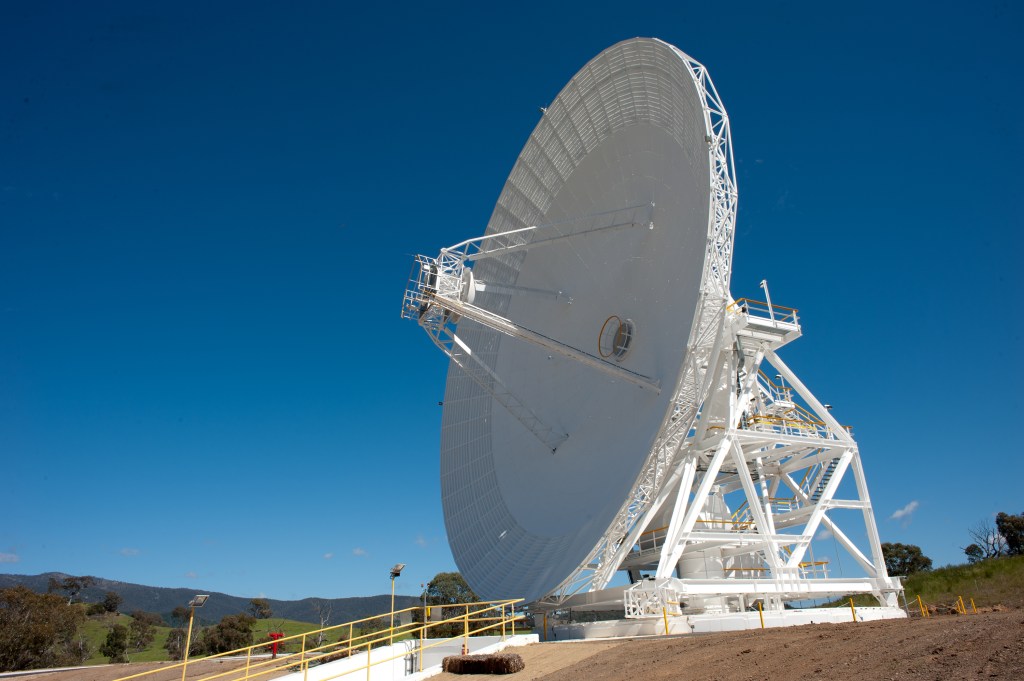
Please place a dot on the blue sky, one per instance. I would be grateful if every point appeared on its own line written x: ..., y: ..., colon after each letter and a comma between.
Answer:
x: 208, y: 212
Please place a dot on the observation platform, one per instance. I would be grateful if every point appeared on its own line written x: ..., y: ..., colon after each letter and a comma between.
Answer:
x: 763, y: 321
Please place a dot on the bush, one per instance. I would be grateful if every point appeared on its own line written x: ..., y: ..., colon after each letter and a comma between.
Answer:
x: 116, y: 645
x: 905, y: 559
x: 1012, y: 529
x: 175, y: 644
x: 150, y: 618
x: 231, y: 633
x: 38, y: 630
x: 140, y: 634
x: 111, y: 601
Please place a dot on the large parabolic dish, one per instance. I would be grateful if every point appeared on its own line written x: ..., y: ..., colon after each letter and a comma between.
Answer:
x: 626, y: 180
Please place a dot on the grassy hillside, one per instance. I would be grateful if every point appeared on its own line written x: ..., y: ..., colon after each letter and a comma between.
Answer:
x: 95, y: 631
x: 997, y: 581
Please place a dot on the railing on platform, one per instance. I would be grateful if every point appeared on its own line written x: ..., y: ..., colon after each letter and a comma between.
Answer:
x: 759, y: 308
x: 469, y: 619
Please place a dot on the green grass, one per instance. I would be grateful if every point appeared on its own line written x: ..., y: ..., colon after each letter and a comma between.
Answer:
x: 997, y: 581
x: 95, y: 631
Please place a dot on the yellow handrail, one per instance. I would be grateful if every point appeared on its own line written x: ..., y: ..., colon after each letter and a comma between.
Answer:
x: 496, y: 619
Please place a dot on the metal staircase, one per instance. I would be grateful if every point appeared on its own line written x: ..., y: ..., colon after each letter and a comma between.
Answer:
x: 823, y: 481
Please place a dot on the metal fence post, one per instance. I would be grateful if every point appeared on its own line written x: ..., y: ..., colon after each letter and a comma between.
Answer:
x: 302, y: 660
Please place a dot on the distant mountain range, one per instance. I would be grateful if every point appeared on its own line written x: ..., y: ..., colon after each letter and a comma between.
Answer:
x: 163, y: 600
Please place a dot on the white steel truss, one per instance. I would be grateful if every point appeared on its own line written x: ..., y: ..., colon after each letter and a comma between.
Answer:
x: 780, y: 465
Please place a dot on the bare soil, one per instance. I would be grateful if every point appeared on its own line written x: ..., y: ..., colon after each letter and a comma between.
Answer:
x: 987, y: 645
x: 982, y: 646
x: 110, y: 672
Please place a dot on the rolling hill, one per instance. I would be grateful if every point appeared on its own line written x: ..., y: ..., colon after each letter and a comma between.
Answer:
x: 163, y: 600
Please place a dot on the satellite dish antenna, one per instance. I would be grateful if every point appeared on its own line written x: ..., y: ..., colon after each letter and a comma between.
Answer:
x: 598, y: 362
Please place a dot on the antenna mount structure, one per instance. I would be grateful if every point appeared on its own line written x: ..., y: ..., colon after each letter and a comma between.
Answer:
x: 608, y: 409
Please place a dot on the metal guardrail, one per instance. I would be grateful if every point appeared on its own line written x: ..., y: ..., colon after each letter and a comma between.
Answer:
x: 474, y: 618
x: 762, y: 309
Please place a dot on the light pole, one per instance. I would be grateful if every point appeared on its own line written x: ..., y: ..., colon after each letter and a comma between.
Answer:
x: 196, y: 602
x: 395, y: 572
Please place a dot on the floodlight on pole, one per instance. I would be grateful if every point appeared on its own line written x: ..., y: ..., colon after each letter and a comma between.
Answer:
x: 395, y: 572
x: 197, y: 602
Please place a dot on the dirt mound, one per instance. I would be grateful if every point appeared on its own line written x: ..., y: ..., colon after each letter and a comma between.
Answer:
x: 495, y: 663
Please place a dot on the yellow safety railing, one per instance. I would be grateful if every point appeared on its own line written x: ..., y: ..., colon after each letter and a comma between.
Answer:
x: 470, y: 619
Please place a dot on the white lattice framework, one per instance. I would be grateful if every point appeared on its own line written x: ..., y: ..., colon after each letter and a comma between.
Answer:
x: 752, y: 441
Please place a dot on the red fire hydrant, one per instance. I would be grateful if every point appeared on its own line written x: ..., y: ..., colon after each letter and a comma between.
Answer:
x: 274, y: 635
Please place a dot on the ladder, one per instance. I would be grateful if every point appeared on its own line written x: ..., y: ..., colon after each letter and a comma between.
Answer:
x: 825, y: 477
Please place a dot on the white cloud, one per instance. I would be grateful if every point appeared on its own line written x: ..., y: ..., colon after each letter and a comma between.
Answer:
x: 129, y: 552
x: 9, y: 558
x: 191, y: 575
x: 420, y: 541
x: 823, y: 534
x: 906, y: 513
x: 328, y: 555
x: 357, y: 551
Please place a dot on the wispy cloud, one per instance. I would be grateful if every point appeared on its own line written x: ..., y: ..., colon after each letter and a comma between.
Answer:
x: 129, y: 552
x: 420, y: 541
x: 823, y: 534
x: 328, y: 555
x: 905, y: 514
x: 358, y: 551
x: 191, y: 575
x: 9, y: 558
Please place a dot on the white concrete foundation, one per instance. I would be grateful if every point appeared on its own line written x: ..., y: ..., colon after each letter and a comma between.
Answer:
x: 700, y: 624
x: 401, y: 660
